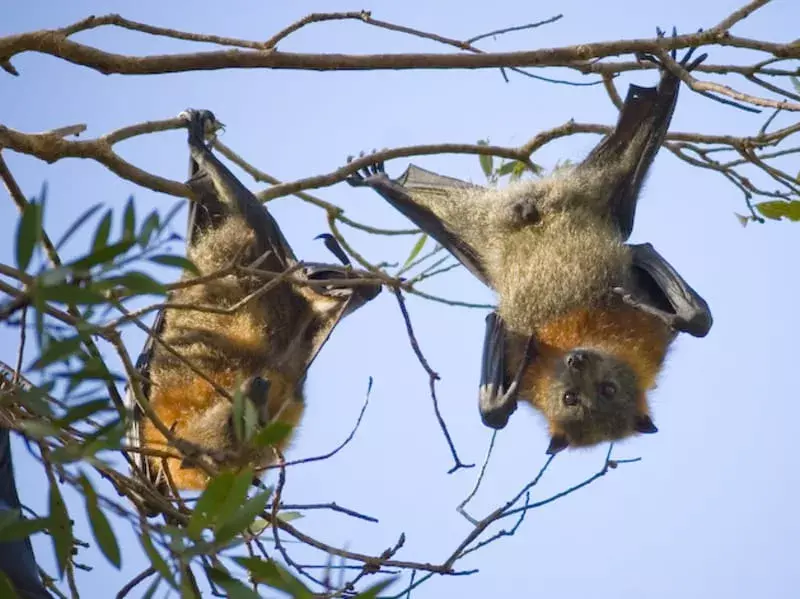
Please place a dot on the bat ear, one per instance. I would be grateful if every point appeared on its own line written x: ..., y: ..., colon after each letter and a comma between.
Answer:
x: 644, y: 424
x: 558, y: 442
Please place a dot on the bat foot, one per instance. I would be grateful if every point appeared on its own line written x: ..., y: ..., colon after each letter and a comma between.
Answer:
x: 366, y: 175
x: 200, y: 122
x: 683, y: 62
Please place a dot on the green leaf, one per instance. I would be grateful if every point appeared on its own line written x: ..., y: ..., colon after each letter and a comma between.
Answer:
x: 743, y: 220
x: 101, y: 234
x: 777, y: 209
x: 60, y: 528
x: 104, y: 255
x: 28, y: 234
x: 289, y: 516
x: 487, y: 164
x: 209, y: 503
x: 73, y: 228
x: 101, y: 529
x: 234, y: 588
x: 375, y: 590
x: 7, y: 587
x: 796, y: 83
x: 129, y: 220
x: 237, y: 494
x: 14, y: 527
x: 58, y: 350
x: 244, y: 417
x: 416, y: 249
x: 68, y: 293
x: 152, y: 589
x: 176, y: 262
x: 156, y: 560
x: 138, y: 283
x: 276, y: 576
x: 272, y: 434
x: 38, y: 429
x: 150, y: 224
x: 84, y: 410
x: 242, y: 517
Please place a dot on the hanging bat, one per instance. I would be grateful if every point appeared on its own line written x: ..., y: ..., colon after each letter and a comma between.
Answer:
x: 584, y: 320
x: 262, y: 349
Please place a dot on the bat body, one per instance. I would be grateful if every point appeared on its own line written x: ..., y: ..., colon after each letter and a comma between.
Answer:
x: 584, y: 320
x: 259, y: 340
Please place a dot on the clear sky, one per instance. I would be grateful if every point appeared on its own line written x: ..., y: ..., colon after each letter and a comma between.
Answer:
x: 710, y: 509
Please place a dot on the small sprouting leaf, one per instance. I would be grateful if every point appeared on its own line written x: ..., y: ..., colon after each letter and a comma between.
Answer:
x: 416, y: 249
x: 487, y: 164
x: 743, y: 220
x: 272, y: 434
x: 129, y: 220
x: 28, y: 234
x: 176, y: 262
x: 777, y: 209
x: 795, y: 82
x: 233, y: 588
x: 289, y: 516
x: 101, y: 529
x: 101, y: 234
x: 151, y: 224
x: 79, y: 222
x: 375, y: 590
x: 60, y: 528
x: 274, y: 575
x: 244, y: 417
x: 243, y: 517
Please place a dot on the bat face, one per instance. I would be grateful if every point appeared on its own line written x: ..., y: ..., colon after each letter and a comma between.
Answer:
x: 591, y: 396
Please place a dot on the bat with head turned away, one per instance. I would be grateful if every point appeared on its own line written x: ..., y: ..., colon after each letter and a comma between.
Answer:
x: 584, y: 320
x: 250, y: 337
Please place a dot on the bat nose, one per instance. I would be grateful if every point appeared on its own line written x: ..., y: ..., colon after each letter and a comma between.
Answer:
x: 577, y: 359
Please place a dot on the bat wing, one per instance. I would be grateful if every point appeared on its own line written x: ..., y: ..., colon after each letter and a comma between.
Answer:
x: 133, y: 434
x: 400, y: 194
x: 643, y: 122
x: 497, y: 396
x: 220, y: 193
x: 667, y: 294
x: 314, y: 334
x: 16, y: 557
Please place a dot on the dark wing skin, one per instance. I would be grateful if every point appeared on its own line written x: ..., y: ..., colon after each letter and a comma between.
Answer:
x: 395, y: 192
x: 662, y: 292
x: 643, y: 122
x: 17, y: 560
x: 219, y: 193
x: 497, y: 396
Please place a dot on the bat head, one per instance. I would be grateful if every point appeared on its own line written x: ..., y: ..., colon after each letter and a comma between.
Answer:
x: 594, y: 396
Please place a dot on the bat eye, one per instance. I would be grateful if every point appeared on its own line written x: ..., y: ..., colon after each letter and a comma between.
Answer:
x: 570, y: 398
x: 608, y: 390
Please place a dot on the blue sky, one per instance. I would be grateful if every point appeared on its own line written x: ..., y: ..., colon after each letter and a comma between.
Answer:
x: 711, y: 508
